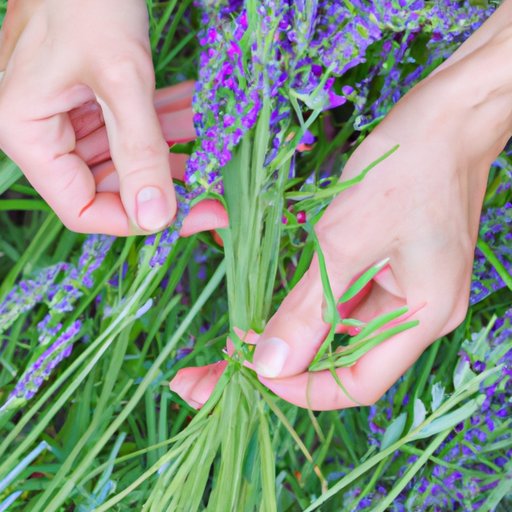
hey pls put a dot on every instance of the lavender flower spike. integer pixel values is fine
(44, 365)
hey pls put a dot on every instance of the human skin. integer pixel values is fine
(420, 207)
(63, 57)
(173, 108)
(438, 187)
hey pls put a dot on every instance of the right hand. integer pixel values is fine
(68, 55)
(173, 107)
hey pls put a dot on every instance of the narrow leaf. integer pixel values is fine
(420, 412)
(363, 280)
(394, 431)
(451, 419)
(378, 322)
(437, 395)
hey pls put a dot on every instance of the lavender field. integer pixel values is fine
(94, 329)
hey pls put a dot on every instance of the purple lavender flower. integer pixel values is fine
(42, 368)
(293, 50)
(28, 293)
(168, 237)
(59, 286)
(62, 296)
(496, 231)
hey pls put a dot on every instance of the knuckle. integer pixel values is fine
(72, 223)
(148, 150)
(371, 398)
(333, 244)
(503, 37)
(122, 70)
(458, 316)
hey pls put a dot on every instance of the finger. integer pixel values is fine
(378, 302)
(346, 309)
(136, 141)
(203, 389)
(204, 216)
(107, 179)
(175, 97)
(387, 280)
(368, 379)
(185, 380)
(250, 337)
(63, 179)
(381, 295)
(196, 384)
(177, 127)
(376, 371)
(86, 119)
(295, 333)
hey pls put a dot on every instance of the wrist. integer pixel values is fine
(466, 106)
(475, 96)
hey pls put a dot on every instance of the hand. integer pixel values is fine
(173, 106)
(67, 55)
(420, 207)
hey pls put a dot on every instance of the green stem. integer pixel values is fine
(495, 262)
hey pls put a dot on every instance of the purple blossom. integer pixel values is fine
(42, 368)
(28, 293)
(168, 237)
(496, 231)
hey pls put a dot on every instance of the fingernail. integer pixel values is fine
(194, 404)
(270, 356)
(153, 212)
(353, 331)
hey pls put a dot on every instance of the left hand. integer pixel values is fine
(420, 207)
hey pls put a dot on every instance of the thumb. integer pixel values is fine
(296, 331)
(137, 145)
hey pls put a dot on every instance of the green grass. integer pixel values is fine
(105, 430)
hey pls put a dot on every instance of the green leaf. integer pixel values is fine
(451, 419)
(437, 396)
(377, 323)
(363, 280)
(10, 174)
(332, 310)
(399, 486)
(462, 374)
(353, 353)
(184, 148)
(495, 262)
(268, 476)
(503, 490)
(420, 412)
(394, 431)
(11, 205)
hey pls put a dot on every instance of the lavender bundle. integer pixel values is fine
(268, 73)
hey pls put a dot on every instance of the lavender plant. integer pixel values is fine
(60, 297)
(267, 73)
(272, 94)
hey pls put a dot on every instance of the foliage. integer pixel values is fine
(103, 431)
